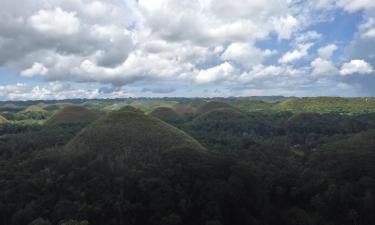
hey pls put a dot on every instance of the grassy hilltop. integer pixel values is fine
(71, 114)
(132, 137)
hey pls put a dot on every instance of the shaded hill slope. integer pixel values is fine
(167, 114)
(130, 137)
(209, 106)
(72, 114)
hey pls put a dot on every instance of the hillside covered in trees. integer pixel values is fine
(182, 161)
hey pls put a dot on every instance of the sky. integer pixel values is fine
(59, 49)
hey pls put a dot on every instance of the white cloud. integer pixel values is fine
(215, 74)
(217, 21)
(36, 69)
(355, 5)
(260, 73)
(56, 21)
(308, 36)
(327, 51)
(122, 94)
(138, 66)
(356, 66)
(367, 29)
(323, 67)
(245, 53)
(299, 53)
(369, 34)
(46, 91)
(97, 9)
(285, 26)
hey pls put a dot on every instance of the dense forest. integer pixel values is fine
(182, 161)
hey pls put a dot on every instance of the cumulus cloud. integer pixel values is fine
(327, 51)
(215, 74)
(245, 54)
(323, 67)
(308, 36)
(46, 91)
(56, 21)
(355, 5)
(36, 69)
(299, 53)
(285, 26)
(159, 90)
(356, 66)
(271, 76)
(121, 42)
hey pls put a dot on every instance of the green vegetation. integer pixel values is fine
(237, 161)
(184, 108)
(328, 104)
(3, 120)
(72, 114)
(53, 107)
(167, 115)
(212, 105)
(253, 105)
(10, 107)
(129, 108)
(132, 137)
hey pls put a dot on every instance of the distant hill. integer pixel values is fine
(209, 106)
(349, 158)
(221, 119)
(328, 104)
(52, 107)
(167, 114)
(130, 138)
(10, 107)
(129, 108)
(224, 122)
(309, 122)
(72, 114)
(253, 105)
(268, 99)
(183, 108)
(35, 108)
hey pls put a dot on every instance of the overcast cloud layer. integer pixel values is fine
(56, 49)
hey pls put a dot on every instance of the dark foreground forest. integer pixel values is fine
(235, 161)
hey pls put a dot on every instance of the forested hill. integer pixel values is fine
(181, 161)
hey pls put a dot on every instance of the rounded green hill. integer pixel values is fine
(129, 108)
(209, 106)
(166, 114)
(34, 108)
(72, 114)
(253, 105)
(52, 107)
(351, 157)
(329, 123)
(221, 119)
(183, 108)
(130, 138)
